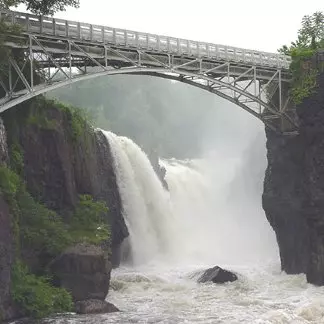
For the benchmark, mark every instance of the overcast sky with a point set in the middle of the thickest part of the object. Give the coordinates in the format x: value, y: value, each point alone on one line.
x: 255, y: 24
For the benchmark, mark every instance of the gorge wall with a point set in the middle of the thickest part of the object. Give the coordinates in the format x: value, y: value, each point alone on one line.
x: 59, y: 157
x: 293, y: 197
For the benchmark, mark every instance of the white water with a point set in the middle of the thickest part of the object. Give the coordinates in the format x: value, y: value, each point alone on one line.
x: 213, y: 216
x: 146, y: 206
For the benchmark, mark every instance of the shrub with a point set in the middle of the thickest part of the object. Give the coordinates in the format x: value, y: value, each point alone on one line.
x: 37, y: 297
x: 41, y: 228
x: 9, y: 181
x: 16, y: 158
x: 88, y: 221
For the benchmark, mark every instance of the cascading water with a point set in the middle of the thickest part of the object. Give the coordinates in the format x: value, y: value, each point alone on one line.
x: 146, y: 207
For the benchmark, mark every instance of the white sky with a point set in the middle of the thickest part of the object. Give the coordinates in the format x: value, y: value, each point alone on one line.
x: 254, y: 24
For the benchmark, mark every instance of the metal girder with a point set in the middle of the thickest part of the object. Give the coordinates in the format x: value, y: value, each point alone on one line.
x: 57, y: 62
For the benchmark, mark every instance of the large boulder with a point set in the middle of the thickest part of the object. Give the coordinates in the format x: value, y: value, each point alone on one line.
x: 84, y: 270
x: 94, y: 306
x: 159, y: 170
x: 217, y: 275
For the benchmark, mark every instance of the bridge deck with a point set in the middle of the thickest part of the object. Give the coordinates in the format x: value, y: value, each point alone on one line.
x: 87, y: 33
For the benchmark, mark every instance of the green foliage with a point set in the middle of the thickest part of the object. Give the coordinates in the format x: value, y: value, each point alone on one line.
x: 88, y: 221
x: 305, y: 88
x: 310, y: 35
x: 312, y: 31
x: 310, y: 39
x: 36, y: 295
x: 9, y: 182
x: 79, y: 120
x: 6, y: 4
x: 304, y: 76
x: 44, y: 231
x: 35, y: 225
x: 44, y: 7
x: 38, y: 116
x: 17, y: 158
x: 41, y: 229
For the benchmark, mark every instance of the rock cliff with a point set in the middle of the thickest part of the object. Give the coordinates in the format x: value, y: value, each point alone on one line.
x: 59, y: 157
x: 63, y: 159
x: 293, y: 197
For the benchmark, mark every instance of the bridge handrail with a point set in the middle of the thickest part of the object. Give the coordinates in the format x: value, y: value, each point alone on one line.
x: 51, y: 26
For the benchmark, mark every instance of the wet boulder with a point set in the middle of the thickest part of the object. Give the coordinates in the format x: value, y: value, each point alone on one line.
x: 94, y: 306
x: 84, y: 270
x: 217, y: 275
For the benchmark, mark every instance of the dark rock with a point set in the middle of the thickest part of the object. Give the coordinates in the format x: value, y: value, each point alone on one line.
x: 84, y: 270
x: 293, y: 197
x: 94, y: 306
x: 7, y: 309
x: 283, y: 200
x: 4, y: 157
x: 159, y: 170
x: 217, y: 275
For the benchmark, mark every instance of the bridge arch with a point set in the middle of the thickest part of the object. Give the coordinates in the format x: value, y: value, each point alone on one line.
x: 255, y: 81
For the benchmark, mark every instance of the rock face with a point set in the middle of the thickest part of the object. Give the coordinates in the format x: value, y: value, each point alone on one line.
x: 7, y: 309
x: 62, y: 159
x: 6, y: 259
x: 59, y: 166
x: 94, y: 306
x: 84, y: 270
x: 217, y: 275
x: 159, y: 170
x: 293, y: 197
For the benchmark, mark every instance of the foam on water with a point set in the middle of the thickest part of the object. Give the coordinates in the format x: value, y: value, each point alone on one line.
x: 164, y: 295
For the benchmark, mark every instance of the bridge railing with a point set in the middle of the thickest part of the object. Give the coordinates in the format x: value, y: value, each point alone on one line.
x: 126, y: 38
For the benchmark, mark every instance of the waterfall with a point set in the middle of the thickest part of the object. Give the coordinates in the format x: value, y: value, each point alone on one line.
x: 146, y: 206
x: 219, y: 225
x: 202, y: 220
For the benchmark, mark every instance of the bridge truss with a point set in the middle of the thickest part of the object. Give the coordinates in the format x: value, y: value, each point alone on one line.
x: 257, y: 83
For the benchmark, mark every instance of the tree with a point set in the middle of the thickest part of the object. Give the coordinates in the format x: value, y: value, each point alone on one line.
x: 313, y: 29
x: 310, y: 35
x: 43, y: 7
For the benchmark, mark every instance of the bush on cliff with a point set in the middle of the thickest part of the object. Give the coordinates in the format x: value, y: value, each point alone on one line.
x: 88, y: 221
x: 36, y: 295
x: 310, y: 40
x: 43, y: 230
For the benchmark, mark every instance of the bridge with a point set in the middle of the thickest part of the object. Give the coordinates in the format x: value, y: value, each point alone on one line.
x: 58, y: 52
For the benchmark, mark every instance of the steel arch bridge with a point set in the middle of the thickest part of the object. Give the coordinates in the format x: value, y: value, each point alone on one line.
x: 58, y: 52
